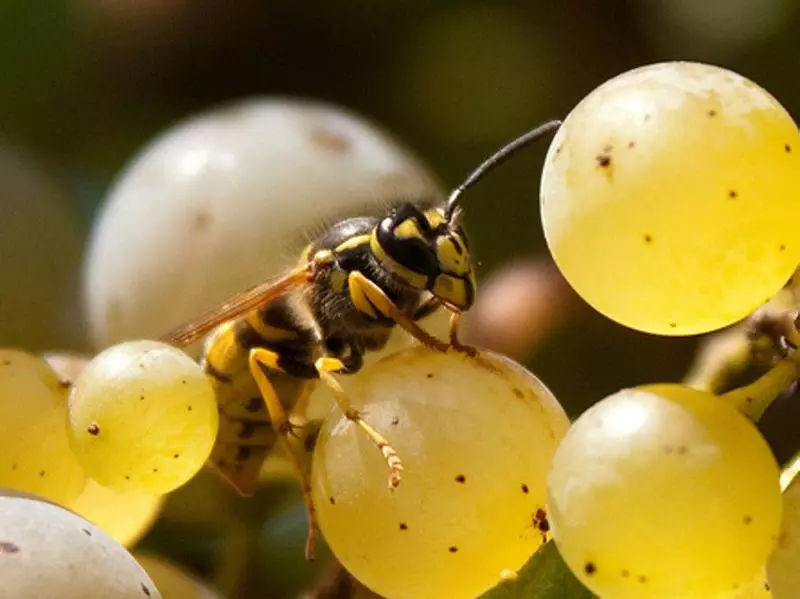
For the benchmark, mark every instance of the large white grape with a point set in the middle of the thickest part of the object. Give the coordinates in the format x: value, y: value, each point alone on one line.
x: 664, y: 491
x: 476, y: 439
x: 225, y: 200
x: 47, y: 551
x: 783, y: 568
x: 143, y: 417
x: 35, y: 454
x: 669, y: 198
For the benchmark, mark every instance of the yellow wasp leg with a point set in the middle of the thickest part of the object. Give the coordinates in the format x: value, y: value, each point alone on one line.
x: 327, y: 366
x: 258, y: 358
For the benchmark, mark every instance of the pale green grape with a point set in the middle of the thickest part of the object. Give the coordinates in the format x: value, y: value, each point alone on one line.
x: 670, y: 198
x: 783, y: 568
x: 35, y: 456
x: 476, y: 439
x: 47, y: 551
x: 664, y: 491
x: 125, y: 517
x: 142, y: 417
x: 173, y: 581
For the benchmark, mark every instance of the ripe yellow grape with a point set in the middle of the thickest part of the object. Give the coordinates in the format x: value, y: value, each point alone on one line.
x: 47, y: 551
x: 783, y: 568
x: 142, y: 417
x: 173, y: 581
x: 476, y: 439
x: 670, y: 195
x: 35, y: 455
x: 125, y: 517
x: 664, y: 491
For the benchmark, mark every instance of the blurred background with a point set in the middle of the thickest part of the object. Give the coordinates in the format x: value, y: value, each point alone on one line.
x: 85, y: 83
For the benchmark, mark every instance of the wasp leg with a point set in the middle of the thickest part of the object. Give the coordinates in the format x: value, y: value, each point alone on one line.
x: 369, y: 298
x: 258, y: 359
x: 327, y: 367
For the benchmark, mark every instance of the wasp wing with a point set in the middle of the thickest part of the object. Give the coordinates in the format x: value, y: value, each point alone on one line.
x: 239, y: 304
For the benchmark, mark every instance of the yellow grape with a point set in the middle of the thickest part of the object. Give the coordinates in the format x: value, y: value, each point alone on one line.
x: 664, y: 491
x: 476, y: 439
x: 142, y: 417
x: 125, y: 517
x: 783, y: 568
x: 173, y: 581
x: 35, y: 455
x: 670, y: 195
x: 47, y: 551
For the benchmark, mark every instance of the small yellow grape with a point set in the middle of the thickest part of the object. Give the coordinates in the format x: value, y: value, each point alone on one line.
x: 670, y: 195
x: 476, y: 439
x: 664, y: 491
x: 35, y: 455
x: 125, y: 517
x: 142, y: 418
x: 783, y: 568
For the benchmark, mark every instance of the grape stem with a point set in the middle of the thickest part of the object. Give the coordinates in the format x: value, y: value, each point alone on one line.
x: 755, y: 398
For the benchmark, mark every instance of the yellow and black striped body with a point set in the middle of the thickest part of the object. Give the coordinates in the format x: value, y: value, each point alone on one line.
x: 413, y: 256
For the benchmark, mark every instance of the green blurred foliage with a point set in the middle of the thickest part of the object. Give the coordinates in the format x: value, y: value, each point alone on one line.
x: 86, y: 82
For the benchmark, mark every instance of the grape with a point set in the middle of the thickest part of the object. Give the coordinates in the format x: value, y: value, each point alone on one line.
x: 47, y: 551
x: 181, y: 225
x: 173, y: 581
x: 142, y: 418
x: 476, y: 439
x: 35, y: 455
x: 670, y: 197
x: 759, y: 588
x: 125, y: 517
x: 663, y: 491
x: 782, y: 569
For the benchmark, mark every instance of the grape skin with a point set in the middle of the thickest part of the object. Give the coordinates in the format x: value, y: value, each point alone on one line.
x: 173, y: 581
x: 664, y: 491
x: 782, y: 568
x: 476, y: 445
x: 142, y: 417
x: 670, y: 195
x: 48, y: 551
x: 35, y: 455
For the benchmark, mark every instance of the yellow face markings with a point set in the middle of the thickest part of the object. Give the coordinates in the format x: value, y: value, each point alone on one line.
x: 414, y: 279
x: 451, y: 290
x: 408, y: 229
x: 435, y: 217
x: 451, y: 255
x: 352, y: 243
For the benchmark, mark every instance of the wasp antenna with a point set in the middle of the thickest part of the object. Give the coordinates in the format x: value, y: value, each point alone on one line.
x: 496, y: 159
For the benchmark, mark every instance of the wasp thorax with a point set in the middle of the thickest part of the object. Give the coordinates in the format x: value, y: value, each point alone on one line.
x: 427, y: 252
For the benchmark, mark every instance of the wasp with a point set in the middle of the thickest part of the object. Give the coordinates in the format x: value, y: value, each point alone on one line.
x: 267, y: 346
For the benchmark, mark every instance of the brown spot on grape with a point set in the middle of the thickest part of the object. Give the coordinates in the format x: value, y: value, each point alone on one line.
x: 395, y: 421
x: 145, y: 590
x: 330, y: 140
x: 748, y: 399
x: 747, y: 520
x: 141, y: 398
x: 461, y: 479
x: 525, y: 488
x: 42, y: 473
x: 648, y: 239
x: 590, y: 568
x: 403, y: 526
x: 93, y: 429
x: 127, y: 477
x: 452, y: 549
x: 631, y: 144
x: 673, y: 325
x: 732, y: 194
x: 13, y: 467
x: 200, y: 221
x: 788, y: 148
x: 735, y: 586
x: 782, y: 247
x: 558, y: 149
x: 712, y: 113
x: 189, y: 408
x: 8, y: 547
x: 647, y: 117
x: 175, y: 456
x: 603, y: 160
x: 429, y: 375
x: 155, y: 470
x: 767, y: 586
x: 6, y: 363
x: 141, y: 366
x: 183, y: 381
x: 642, y: 579
x: 668, y: 449
x: 625, y: 573
x: 87, y: 532
x: 518, y: 393
x: 332, y: 500
x: 682, y: 450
